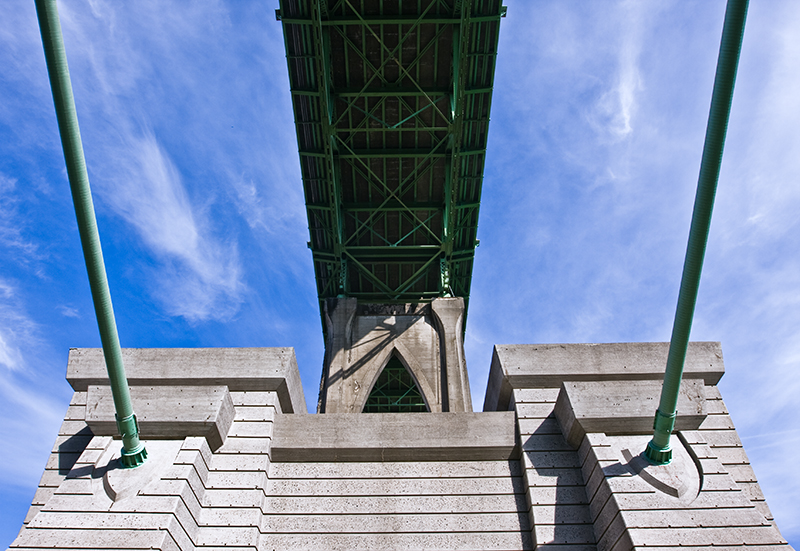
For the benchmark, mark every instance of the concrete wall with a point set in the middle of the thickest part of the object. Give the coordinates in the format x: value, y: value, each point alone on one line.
x: 273, y: 480
x: 185, y: 496
x: 559, y: 465
x: 585, y: 415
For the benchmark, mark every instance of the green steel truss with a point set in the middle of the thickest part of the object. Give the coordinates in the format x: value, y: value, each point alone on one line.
x: 395, y: 391
x: 391, y: 101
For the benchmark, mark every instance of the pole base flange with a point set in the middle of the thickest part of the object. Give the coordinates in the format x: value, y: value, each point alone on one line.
x: 657, y: 455
x: 133, y: 458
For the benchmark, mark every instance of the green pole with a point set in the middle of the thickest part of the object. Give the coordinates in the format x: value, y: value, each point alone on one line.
x: 133, y: 451
x: 658, y: 449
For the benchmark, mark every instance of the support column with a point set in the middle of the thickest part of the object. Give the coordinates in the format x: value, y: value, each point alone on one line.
x: 449, y: 314
x: 339, y: 313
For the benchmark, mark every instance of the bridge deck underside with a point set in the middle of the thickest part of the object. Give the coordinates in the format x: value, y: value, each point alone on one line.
x: 391, y: 101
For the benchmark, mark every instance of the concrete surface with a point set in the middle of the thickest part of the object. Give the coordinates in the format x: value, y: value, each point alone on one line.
x: 395, y: 437
x: 449, y: 314
x: 361, y: 338
x: 623, y: 407
x: 166, y: 412
x: 404, y: 481
x: 239, y: 369
x: 548, y: 365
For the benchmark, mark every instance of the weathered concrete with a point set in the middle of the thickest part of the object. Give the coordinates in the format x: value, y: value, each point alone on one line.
x: 265, y: 369
x: 623, y: 407
x: 549, y: 365
x: 166, y: 412
x: 339, y: 314
x: 361, y: 339
x: 449, y: 313
x: 395, y: 437
x: 601, y: 396
x: 692, y: 502
x: 402, y: 480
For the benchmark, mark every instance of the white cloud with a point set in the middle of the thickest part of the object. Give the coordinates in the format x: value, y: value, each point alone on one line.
x: 29, y: 419
x: 615, y: 109
x: 69, y: 311
x: 117, y: 57
x: 10, y: 355
x: 16, y: 329
x: 612, y: 114
x: 199, y: 276
x: 11, y: 223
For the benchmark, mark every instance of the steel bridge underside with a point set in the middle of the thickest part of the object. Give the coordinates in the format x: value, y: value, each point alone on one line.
x: 391, y: 101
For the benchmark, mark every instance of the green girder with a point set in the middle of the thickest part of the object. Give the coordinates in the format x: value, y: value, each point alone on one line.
x: 395, y: 391
x: 391, y: 101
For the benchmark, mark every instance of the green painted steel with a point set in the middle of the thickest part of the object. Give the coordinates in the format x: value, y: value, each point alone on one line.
x: 658, y: 449
x: 391, y: 103
x: 133, y: 450
x: 395, y: 391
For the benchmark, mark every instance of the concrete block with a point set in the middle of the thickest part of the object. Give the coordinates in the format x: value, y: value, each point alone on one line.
x: 398, y: 470
x: 539, y: 426
x: 167, y: 412
x: 230, y: 516
x: 240, y: 462
x: 396, y: 487
x: 433, y: 522
x: 223, y: 536
x: 94, y: 539
x: 623, y: 407
x: 240, y: 369
x: 246, y: 445
x: 394, y: 437
x: 548, y: 365
x: 535, y: 395
x: 564, y: 533
x: 553, y: 460
x: 384, y: 504
x: 561, y: 514
x: 553, y: 477
x: 485, y: 540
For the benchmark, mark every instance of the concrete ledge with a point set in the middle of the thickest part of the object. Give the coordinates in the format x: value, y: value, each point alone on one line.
x: 394, y: 437
x: 166, y: 412
x: 517, y: 366
x: 240, y: 369
x: 623, y: 407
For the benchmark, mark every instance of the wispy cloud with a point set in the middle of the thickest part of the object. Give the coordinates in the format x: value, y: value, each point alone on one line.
x: 16, y: 330
x: 69, y: 311
x: 197, y: 273
x: 29, y: 419
x: 199, y: 277
x: 613, y: 112
x: 11, y: 224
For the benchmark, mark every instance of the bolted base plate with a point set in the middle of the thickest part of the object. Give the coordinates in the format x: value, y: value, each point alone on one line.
x: 131, y: 459
x: 656, y: 455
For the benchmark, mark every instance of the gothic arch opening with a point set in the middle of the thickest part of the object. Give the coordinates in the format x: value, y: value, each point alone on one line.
x: 395, y: 390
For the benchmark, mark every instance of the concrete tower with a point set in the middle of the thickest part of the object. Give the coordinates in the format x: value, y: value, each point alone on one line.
x: 426, y: 339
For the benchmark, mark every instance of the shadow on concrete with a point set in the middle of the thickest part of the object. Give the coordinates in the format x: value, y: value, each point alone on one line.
x: 552, y: 456
x: 521, y: 501
x: 71, y: 449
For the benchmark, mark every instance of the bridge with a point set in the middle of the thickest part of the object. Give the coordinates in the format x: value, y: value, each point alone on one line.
x: 391, y: 102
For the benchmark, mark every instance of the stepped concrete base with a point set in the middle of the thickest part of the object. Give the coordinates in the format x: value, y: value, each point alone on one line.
x: 557, y: 465
x: 585, y: 416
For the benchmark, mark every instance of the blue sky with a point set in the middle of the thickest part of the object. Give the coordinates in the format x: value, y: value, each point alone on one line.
x: 597, y: 128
